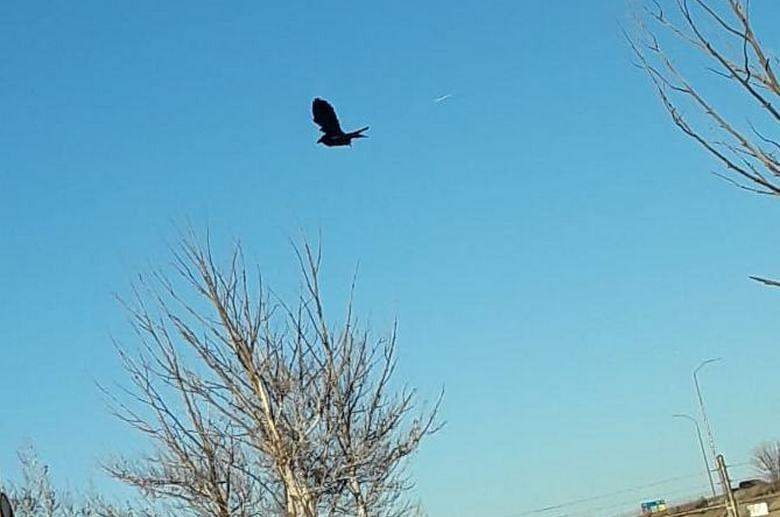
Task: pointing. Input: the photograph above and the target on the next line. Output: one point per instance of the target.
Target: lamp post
(703, 452)
(701, 403)
(731, 503)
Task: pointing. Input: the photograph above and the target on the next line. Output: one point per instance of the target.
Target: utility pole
(731, 502)
(703, 452)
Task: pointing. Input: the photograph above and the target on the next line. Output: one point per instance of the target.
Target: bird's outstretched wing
(325, 117)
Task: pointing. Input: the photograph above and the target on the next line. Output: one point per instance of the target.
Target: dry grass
(713, 507)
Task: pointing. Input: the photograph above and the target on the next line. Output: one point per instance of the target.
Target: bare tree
(766, 461)
(259, 407)
(742, 77)
(36, 496)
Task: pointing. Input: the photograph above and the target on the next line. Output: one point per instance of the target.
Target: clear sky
(558, 255)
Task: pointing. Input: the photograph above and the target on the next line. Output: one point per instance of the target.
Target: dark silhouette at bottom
(5, 506)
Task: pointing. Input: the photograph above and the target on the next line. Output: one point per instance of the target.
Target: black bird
(325, 117)
(5, 506)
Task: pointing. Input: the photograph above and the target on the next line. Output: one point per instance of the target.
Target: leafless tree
(259, 407)
(742, 77)
(36, 496)
(766, 461)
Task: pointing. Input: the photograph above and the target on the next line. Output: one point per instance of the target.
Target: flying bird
(325, 117)
(442, 98)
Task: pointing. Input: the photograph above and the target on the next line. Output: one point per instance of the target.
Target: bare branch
(766, 281)
(254, 406)
(742, 154)
(766, 459)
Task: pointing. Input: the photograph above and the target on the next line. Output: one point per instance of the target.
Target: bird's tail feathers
(359, 133)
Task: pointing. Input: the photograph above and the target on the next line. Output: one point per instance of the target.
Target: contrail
(442, 98)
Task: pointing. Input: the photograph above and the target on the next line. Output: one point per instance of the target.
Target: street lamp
(731, 503)
(703, 452)
(701, 403)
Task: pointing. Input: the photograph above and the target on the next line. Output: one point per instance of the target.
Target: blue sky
(559, 257)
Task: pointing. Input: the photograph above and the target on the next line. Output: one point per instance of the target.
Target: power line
(601, 496)
(574, 502)
(700, 489)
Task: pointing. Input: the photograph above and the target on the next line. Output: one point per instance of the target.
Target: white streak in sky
(442, 98)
